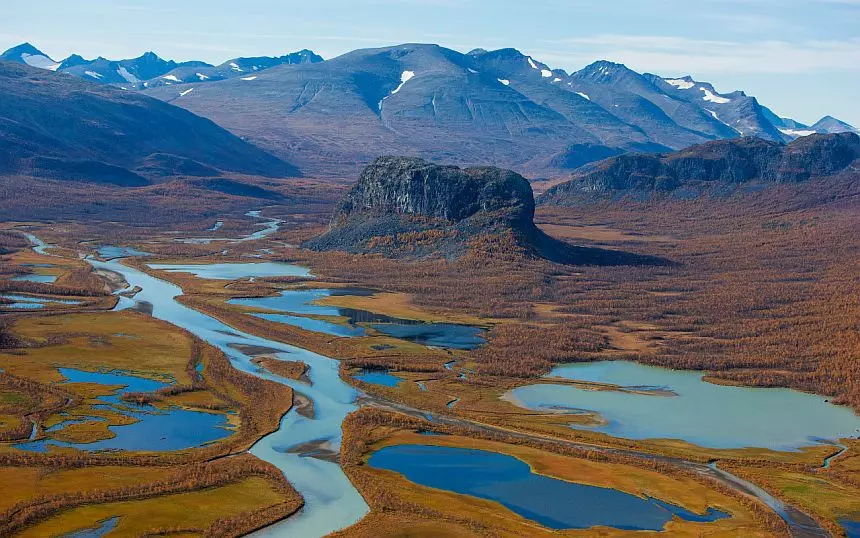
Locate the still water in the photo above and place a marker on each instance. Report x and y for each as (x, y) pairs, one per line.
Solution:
(678, 404)
(553, 503)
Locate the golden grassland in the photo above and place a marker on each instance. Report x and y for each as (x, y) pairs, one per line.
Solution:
(195, 513)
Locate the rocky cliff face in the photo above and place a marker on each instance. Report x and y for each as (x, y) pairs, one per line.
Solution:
(409, 186)
(722, 164)
(408, 205)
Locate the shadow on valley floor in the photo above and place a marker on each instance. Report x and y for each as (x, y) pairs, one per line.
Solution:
(558, 251)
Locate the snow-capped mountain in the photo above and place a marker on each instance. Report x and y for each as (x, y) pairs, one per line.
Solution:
(132, 73)
(27, 54)
(149, 70)
(829, 124)
(500, 107)
(236, 67)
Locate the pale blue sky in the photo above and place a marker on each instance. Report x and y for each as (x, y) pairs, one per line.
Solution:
(800, 57)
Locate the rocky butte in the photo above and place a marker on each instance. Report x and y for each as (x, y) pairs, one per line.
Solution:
(410, 208)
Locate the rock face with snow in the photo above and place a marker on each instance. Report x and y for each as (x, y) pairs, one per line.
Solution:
(60, 127)
(719, 164)
(237, 67)
(27, 54)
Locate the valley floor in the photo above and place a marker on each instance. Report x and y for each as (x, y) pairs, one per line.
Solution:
(763, 292)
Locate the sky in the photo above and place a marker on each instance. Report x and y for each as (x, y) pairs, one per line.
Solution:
(799, 57)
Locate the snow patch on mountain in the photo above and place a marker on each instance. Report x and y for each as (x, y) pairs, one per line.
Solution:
(94, 74)
(235, 67)
(405, 77)
(201, 76)
(504, 81)
(583, 95)
(532, 63)
(124, 73)
(172, 78)
(797, 133)
(714, 98)
(186, 92)
(545, 73)
(40, 61)
(680, 83)
(249, 78)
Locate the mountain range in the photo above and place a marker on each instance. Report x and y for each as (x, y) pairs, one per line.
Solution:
(501, 107)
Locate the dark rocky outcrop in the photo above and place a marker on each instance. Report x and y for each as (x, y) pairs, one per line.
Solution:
(408, 207)
(435, 209)
(721, 165)
(411, 186)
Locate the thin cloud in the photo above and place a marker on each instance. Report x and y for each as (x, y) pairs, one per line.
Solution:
(679, 55)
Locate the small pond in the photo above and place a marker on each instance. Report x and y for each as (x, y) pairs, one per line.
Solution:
(102, 528)
(234, 271)
(31, 302)
(156, 429)
(660, 403)
(302, 302)
(553, 503)
(379, 377)
(109, 252)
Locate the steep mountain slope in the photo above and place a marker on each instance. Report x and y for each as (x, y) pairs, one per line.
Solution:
(633, 98)
(412, 99)
(27, 54)
(719, 166)
(736, 113)
(829, 124)
(53, 125)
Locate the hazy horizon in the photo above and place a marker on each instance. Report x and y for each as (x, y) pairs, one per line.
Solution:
(800, 58)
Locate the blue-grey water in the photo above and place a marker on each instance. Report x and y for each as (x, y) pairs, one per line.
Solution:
(155, 430)
(702, 413)
(444, 335)
(102, 529)
(553, 503)
(109, 252)
(302, 302)
(31, 302)
(379, 377)
(331, 501)
(234, 271)
(41, 279)
(851, 528)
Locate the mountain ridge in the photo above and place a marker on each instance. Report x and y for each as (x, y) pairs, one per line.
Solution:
(503, 107)
(719, 167)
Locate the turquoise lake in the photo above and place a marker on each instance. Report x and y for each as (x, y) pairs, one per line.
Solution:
(702, 413)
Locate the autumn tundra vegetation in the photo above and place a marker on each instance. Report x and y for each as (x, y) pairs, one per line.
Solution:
(761, 291)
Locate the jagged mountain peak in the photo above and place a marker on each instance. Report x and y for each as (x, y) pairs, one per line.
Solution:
(829, 124)
(27, 54)
(24, 48)
(603, 71)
